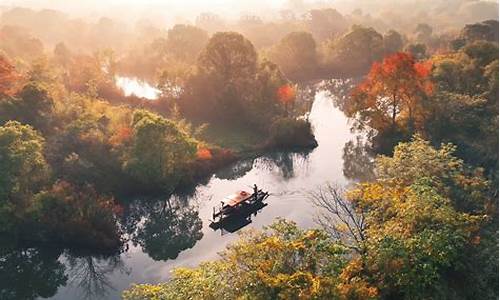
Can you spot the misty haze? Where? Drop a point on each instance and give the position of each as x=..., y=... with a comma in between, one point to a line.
x=280, y=149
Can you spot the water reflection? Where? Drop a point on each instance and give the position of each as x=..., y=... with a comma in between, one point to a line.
x=134, y=86
x=237, y=222
x=164, y=228
x=90, y=273
x=236, y=170
x=285, y=164
x=339, y=90
x=358, y=160
x=29, y=272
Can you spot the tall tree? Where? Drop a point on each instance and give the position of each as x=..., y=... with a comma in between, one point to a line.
x=392, y=93
x=296, y=55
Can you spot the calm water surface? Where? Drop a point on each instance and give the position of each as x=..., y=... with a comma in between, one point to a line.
x=165, y=234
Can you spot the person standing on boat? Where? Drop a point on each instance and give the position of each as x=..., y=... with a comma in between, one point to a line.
x=255, y=190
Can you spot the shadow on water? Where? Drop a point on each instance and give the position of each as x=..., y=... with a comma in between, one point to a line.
x=163, y=228
x=284, y=163
x=358, y=160
x=240, y=220
x=90, y=272
x=29, y=272
x=32, y=272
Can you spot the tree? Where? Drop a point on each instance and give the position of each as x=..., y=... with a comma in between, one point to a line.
x=280, y=262
x=230, y=56
x=159, y=152
x=8, y=78
x=482, y=52
x=423, y=33
x=418, y=50
x=392, y=93
x=354, y=52
x=23, y=170
x=31, y=105
x=325, y=23
x=420, y=229
x=185, y=42
x=487, y=30
x=226, y=75
x=393, y=42
x=296, y=55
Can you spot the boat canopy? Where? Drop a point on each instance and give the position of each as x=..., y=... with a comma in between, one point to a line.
x=236, y=198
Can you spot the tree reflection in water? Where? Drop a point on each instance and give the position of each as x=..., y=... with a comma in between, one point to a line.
x=90, y=272
x=164, y=228
x=236, y=170
x=339, y=90
x=38, y=272
x=358, y=160
x=285, y=162
x=29, y=272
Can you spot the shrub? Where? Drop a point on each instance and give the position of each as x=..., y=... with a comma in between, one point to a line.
x=289, y=132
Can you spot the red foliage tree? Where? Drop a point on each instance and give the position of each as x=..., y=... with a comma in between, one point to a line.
x=392, y=92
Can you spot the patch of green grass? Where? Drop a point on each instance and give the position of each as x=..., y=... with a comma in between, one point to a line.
x=236, y=138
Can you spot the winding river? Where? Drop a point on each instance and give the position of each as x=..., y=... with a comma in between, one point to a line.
x=168, y=233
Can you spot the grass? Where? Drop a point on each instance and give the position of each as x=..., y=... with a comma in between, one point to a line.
x=239, y=139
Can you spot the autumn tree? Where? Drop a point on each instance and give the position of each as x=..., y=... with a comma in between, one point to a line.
x=464, y=106
x=8, y=78
x=392, y=93
x=420, y=229
x=279, y=262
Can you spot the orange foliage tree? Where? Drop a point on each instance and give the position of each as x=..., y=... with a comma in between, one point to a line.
x=286, y=95
x=8, y=77
x=392, y=93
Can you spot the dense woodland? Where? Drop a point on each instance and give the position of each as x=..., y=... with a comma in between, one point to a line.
x=74, y=149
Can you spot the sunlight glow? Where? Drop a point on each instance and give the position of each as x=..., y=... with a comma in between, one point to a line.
x=134, y=86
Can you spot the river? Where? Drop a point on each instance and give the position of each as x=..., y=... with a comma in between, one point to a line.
x=168, y=233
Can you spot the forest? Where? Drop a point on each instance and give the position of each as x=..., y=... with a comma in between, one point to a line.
x=83, y=163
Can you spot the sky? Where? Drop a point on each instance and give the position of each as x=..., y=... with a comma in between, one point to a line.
x=175, y=7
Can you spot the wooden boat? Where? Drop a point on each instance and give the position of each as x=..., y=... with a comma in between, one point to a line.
x=238, y=205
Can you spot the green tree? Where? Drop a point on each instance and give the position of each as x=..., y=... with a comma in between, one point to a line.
x=354, y=52
x=230, y=56
x=23, y=170
x=32, y=105
x=75, y=215
x=393, y=42
x=159, y=151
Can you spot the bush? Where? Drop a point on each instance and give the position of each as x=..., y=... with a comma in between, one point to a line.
x=289, y=132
